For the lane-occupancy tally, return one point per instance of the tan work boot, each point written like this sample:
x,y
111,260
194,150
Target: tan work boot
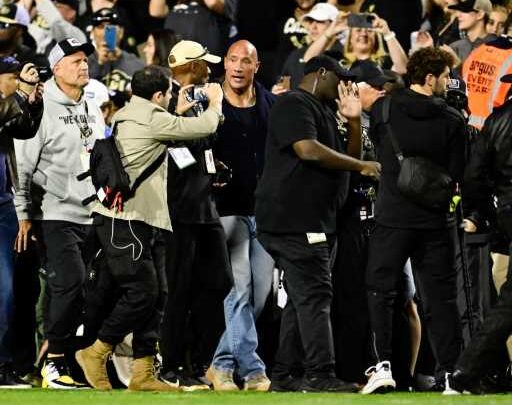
x,y
259,382
143,377
222,380
93,360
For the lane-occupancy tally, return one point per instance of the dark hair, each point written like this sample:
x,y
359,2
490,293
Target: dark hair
x,y
164,41
427,60
149,81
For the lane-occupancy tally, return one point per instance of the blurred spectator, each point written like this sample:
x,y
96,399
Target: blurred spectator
x,y
207,22
496,22
54,22
49,163
440,25
20,117
112,66
97,93
472,16
317,21
157,47
294,32
13,23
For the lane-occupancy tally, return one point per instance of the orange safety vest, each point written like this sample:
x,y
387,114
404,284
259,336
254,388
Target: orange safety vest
x,y
482,71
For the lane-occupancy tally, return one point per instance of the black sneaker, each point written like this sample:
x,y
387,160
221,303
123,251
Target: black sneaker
x,y
459,382
9,379
185,382
288,384
327,384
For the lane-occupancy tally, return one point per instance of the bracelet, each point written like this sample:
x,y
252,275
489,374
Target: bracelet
x,y
390,36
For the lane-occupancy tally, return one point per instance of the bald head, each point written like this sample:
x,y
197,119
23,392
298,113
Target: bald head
x,y
241,64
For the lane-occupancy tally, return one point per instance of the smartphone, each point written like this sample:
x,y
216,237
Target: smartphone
x,y
199,94
110,37
360,20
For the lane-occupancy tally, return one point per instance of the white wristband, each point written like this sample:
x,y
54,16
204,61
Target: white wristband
x,y
390,36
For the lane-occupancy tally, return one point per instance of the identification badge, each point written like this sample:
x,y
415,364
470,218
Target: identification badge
x,y
210,163
316,238
182,157
85,159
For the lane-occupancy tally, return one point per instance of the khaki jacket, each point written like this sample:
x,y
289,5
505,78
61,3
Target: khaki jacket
x,y
143,129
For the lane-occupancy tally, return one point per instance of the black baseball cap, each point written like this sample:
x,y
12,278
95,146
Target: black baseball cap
x,y
68,47
456,83
468,6
506,78
74,4
9,64
369,72
106,15
328,63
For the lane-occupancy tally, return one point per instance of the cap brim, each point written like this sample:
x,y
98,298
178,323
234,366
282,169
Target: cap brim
x,y
464,7
211,58
381,80
316,17
342,75
506,78
87,48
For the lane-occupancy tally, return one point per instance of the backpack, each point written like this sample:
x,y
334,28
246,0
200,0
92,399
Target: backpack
x,y
420,180
110,180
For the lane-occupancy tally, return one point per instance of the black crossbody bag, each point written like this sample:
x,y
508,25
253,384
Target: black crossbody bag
x,y
420,179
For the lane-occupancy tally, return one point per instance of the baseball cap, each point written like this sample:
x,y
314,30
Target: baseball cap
x,y
506,78
9,64
328,63
14,14
68,47
468,6
74,4
457,84
97,92
187,51
322,12
106,15
369,72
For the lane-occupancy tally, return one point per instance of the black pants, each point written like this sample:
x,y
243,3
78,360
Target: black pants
x,y
198,272
67,248
305,339
486,348
135,254
432,256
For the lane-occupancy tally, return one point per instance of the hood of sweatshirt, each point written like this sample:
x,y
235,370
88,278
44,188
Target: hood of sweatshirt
x,y
418,106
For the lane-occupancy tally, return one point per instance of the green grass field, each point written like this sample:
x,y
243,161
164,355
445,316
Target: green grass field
x,y
90,397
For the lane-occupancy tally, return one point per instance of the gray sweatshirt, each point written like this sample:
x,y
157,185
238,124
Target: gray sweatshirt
x,y
49,162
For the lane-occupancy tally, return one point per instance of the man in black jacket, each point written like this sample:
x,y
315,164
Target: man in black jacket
x,y
424,126
490,172
20,115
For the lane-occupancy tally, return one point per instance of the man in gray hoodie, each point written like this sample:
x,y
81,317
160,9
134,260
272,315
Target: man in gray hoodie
x,y
49,164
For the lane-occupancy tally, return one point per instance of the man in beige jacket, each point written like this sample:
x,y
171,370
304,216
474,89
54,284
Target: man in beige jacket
x,y
134,240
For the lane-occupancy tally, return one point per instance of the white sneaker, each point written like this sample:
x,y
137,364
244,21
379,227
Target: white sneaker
x,y
56,375
447,389
379,378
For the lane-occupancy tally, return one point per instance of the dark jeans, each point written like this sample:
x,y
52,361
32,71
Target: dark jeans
x,y
486,347
135,254
198,275
8,231
305,340
67,248
432,256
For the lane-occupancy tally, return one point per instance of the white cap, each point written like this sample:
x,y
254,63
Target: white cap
x,y
187,51
322,12
96,92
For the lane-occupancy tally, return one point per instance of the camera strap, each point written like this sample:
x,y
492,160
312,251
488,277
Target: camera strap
x,y
386,108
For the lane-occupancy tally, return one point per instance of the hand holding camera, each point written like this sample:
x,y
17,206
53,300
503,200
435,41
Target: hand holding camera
x,y
28,78
214,93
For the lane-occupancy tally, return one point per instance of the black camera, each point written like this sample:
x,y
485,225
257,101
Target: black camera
x,y
44,73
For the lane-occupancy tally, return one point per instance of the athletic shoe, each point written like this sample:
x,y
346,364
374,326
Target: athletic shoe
x,y
380,378
185,382
221,380
56,374
457,383
288,384
259,382
9,379
327,384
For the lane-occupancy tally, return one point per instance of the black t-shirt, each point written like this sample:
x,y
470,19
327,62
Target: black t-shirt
x,y
295,196
189,190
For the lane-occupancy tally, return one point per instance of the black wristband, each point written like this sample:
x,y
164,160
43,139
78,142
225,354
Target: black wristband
x,y
27,82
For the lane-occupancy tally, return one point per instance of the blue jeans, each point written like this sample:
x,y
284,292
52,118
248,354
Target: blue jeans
x,y
252,275
8,231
